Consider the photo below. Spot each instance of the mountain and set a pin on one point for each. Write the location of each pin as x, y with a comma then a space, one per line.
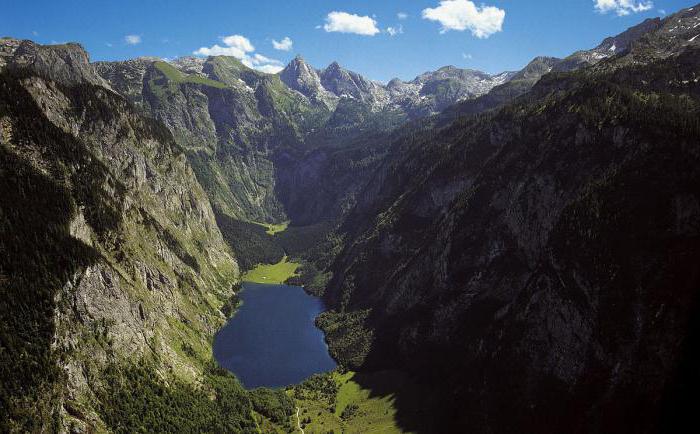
243, 130
433, 92
114, 271
428, 93
300, 76
348, 84
609, 47
522, 247
538, 261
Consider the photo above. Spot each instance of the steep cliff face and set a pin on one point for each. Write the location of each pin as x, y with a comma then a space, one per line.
259, 143
113, 252
226, 126
539, 262
303, 78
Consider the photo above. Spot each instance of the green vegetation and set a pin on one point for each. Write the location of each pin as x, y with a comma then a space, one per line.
38, 256
274, 228
355, 403
273, 404
175, 76
229, 70
314, 246
46, 176
349, 339
272, 273
312, 279
232, 303
312, 242
249, 241
135, 399
349, 411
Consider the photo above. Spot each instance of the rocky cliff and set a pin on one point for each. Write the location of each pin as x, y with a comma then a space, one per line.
244, 130
111, 252
539, 261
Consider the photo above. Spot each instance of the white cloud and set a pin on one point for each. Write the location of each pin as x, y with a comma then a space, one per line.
622, 7
132, 39
393, 31
218, 50
264, 64
109, 44
482, 21
242, 49
238, 41
344, 22
285, 44
235, 45
466, 56
402, 15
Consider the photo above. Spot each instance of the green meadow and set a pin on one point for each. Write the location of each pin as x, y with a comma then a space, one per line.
272, 273
274, 228
351, 402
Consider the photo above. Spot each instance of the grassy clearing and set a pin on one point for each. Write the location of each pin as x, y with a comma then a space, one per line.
272, 273
178, 77
274, 228
363, 404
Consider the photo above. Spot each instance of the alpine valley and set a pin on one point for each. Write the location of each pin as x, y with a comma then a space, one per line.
517, 252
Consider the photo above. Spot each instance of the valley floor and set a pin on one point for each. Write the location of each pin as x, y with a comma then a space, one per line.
272, 273
352, 402
274, 228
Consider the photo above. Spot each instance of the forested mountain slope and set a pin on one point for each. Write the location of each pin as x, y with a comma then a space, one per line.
113, 271
540, 261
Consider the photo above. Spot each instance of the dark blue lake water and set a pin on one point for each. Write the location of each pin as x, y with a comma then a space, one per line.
272, 340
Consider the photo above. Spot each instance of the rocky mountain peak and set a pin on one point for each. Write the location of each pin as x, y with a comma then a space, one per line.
65, 63
395, 83
334, 67
609, 46
298, 68
344, 83
302, 77
189, 64
298, 58
536, 68
619, 43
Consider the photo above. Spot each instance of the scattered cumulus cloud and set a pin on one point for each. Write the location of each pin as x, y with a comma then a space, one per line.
132, 39
242, 49
264, 64
466, 56
35, 33
343, 22
393, 31
285, 44
482, 21
622, 7
235, 45
402, 15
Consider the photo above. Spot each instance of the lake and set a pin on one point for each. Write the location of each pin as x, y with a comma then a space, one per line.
271, 340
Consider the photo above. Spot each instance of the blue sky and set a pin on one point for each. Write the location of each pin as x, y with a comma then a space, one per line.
493, 35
